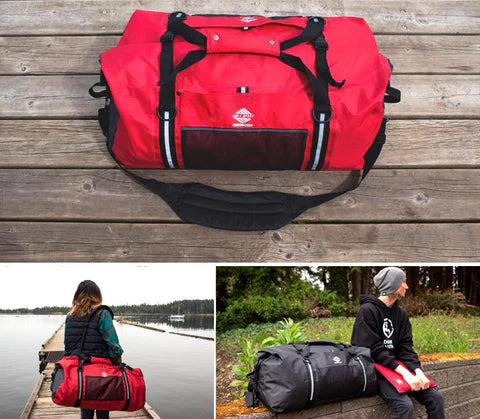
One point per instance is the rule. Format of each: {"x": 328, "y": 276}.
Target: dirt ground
{"x": 225, "y": 376}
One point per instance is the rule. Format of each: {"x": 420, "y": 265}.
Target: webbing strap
{"x": 166, "y": 110}
{"x": 245, "y": 211}
{"x": 322, "y": 112}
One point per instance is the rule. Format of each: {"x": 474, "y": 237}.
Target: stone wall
{"x": 459, "y": 382}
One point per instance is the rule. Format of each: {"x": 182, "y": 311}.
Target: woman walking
{"x": 101, "y": 338}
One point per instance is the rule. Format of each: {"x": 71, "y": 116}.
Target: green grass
{"x": 431, "y": 334}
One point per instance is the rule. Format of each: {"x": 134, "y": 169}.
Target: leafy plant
{"x": 247, "y": 358}
{"x": 290, "y": 332}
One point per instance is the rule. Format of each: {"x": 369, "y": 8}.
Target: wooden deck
{"x": 40, "y": 405}
{"x": 63, "y": 199}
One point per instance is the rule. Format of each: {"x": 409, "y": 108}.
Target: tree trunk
{"x": 412, "y": 279}
{"x": 462, "y": 276}
{"x": 448, "y": 283}
{"x": 356, "y": 284}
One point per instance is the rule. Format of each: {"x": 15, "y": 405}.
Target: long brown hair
{"x": 87, "y": 297}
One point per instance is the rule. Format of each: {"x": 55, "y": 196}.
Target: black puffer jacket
{"x": 94, "y": 342}
{"x": 387, "y": 331}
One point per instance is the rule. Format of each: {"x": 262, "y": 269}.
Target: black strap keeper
{"x": 167, "y": 37}
{"x": 321, "y": 44}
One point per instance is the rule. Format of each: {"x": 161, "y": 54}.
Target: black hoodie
{"x": 386, "y": 331}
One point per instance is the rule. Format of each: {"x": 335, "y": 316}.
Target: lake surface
{"x": 179, "y": 371}
{"x": 193, "y": 325}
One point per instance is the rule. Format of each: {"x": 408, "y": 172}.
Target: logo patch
{"x": 104, "y": 374}
{"x": 243, "y": 116}
{"x": 248, "y": 19}
{"x": 398, "y": 381}
{"x": 337, "y": 360}
{"x": 387, "y": 328}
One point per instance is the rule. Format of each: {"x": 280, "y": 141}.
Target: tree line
{"x": 347, "y": 282}
{"x": 175, "y": 307}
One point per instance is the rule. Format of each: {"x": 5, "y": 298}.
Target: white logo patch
{"x": 337, "y": 360}
{"x": 398, "y": 381}
{"x": 243, "y": 116}
{"x": 387, "y": 328}
{"x": 104, "y": 374}
{"x": 248, "y": 19}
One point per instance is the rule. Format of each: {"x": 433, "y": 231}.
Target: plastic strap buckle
{"x": 321, "y": 44}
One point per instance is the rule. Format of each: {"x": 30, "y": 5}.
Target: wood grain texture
{"x": 81, "y": 144}
{"x": 90, "y": 16}
{"x": 349, "y": 243}
{"x": 423, "y": 96}
{"x": 385, "y": 196}
{"x": 432, "y": 54}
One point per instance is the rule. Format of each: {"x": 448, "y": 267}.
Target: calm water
{"x": 193, "y": 325}
{"x": 179, "y": 371}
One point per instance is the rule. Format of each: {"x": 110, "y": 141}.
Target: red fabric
{"x": 95, "y": 373}
{"x": 277, "y": 96}
{"x": 395, "y": 379}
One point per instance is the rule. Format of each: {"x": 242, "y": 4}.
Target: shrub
{"x": 258, "y": 309}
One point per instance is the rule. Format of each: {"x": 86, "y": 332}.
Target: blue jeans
{"x": 402, "y": 405}
{"x": 88, "y": 414}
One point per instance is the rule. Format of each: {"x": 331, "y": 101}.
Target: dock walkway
{"x": 40, "y": 405}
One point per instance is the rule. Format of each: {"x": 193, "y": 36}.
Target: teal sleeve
{"x": 105, "y": 325}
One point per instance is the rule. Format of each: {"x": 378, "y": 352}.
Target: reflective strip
{"x": 80, "y": 386}
{"x": 364, "y": 374}
{"x": 312, "y": 383}
{"x": 319, "y": 142}
{"x": 166, "y": 133}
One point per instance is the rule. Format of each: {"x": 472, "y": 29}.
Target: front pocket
{"x": 244, "y": 131}
{"x": 104, "y": 388}
{"x": 243, "y": 149}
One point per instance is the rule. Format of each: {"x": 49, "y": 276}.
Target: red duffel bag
{"x": 90, "y": 382}
{"x": 243, "y": 93}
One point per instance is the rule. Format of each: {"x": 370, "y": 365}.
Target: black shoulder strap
{"x": 246, "y": 211}
{"x": 90, "y": 317}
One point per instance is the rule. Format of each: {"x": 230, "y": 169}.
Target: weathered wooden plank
{"x": 33, "y": 397}
{"x": 424, "y": 96}
{"x": 437, "y": 54}
{"x": 89, "y": 16}
{"x": 53, "y": 54}
{"x": 349, "y": 243}
{"x": 386, "y": 195}
{"x": 58, "y": 143}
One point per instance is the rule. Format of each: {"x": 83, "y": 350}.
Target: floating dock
{"x": 144, "y": 326}
{"x": 40, "y": 405}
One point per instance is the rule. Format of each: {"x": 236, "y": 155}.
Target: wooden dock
{"x": 156, "y": 329}
{"x": 63, "y": 198}
{"x": 40, "y": 405}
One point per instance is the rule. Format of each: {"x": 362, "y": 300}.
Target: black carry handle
{"x": 305, "y": 349}
{"x": 245, "y": 211}
{"x": 84, "y": 333}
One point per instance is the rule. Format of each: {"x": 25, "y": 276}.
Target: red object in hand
{"x": 396, "y": 380}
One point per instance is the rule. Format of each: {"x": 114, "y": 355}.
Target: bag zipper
{"x": 312, "y": 386}
{"x": 364, "y": 374}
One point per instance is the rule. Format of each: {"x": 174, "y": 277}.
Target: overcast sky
{"x": 47, "y": 284}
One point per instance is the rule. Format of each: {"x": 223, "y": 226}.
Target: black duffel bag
{"x": 301, "y": 375}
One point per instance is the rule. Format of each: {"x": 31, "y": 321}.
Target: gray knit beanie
{"x": 388, "y": 280}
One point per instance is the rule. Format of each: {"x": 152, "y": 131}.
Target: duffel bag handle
{"x": 305, "y": 349}
{"x": 245, "y": 211}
